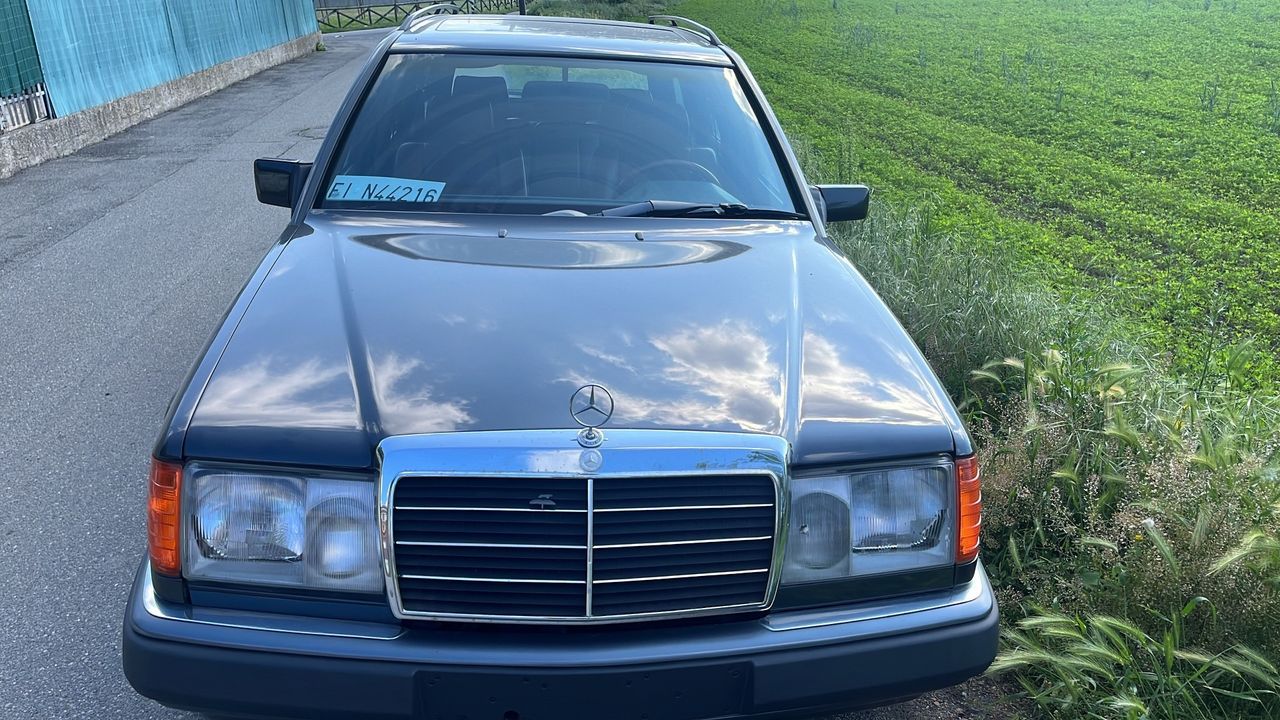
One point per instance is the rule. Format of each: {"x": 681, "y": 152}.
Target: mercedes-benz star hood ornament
{"x": 591, "y": 407}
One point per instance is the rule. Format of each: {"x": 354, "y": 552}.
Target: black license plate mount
{"x": 683, "y": 693}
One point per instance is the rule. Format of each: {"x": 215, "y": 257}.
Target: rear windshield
{"x": 469, "y": 133}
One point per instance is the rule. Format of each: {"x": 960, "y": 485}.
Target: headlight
{"x": 280, "y": 529}
{"x": 871, "y": 522}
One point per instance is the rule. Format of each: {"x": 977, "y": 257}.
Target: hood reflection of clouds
{"x": 405, "y": 402}
{"x": 728, "y": 370}
{"x": 836, "y": 390}
{"x": 277, "y": 392}
{"x": 728, "y": 374}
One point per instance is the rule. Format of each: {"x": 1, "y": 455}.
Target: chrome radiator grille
{"x": 564, "y": 549}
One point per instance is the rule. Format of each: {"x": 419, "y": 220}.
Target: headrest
{"x": 631, "y": 96}
{"x": 596, "y": 92}
{"x": 492, "y": 89}
{"x": 462, "y": 116}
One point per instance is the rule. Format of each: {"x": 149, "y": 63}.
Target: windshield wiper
{"x": 675, "y": 209}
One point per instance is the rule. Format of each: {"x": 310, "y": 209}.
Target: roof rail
{"x": 436, "y": 9}
{"x": 686, "y": 24}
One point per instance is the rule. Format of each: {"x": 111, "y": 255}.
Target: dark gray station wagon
{"x": 554, "y": 400}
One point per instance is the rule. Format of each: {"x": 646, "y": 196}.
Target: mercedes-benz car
{"x": 555, "y": 399}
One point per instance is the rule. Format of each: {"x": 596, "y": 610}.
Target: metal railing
{"x": 684, "y": 23}
{"x": 25, "y": 109}
{"x": 357, "y": 14}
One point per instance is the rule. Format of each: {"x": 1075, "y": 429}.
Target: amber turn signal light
{"x": 969, "y": 481}
{"x": 164, "y": 517}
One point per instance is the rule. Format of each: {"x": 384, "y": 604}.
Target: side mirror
{"x": 845, "y": 202}
{"x": 279, "y": 182}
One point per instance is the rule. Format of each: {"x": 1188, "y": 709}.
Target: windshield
{"x": 469, "y": 133}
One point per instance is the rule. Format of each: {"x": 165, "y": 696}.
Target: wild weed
{"x": 862, "y": 36}
{"x": 1273, "y": 108}
{"x": 978, "y": 56}
{"x": 1259, "y": 550}
{"x": 1209, "y": 94}
{"x": 1034, "y": 56}
{"x": 1100, "y": 666}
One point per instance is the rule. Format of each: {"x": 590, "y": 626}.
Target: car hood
{"x": 366, "y": 327}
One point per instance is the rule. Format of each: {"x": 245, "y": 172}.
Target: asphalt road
{"x": 116, "y": 263}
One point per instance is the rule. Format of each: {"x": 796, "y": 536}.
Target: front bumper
{"x": 789, "y": 664}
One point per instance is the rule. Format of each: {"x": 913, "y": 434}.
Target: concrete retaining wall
{"x": 55, "y": 138}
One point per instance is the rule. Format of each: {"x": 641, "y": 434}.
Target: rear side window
{"x": 467, "y": 133}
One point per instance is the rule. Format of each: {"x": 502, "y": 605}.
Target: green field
{"x": 1124, "y": 146}
{"x": 1078, "y": 220}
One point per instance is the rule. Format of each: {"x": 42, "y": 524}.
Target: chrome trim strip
{"x": 685, "y": 507}
{"x": 243, "y": 620}
{"x": 425, "y": 543}
{"x": 682, "y": 577}
{"x": 715, "y": 609}
{"x": 581, "y": 619}
{"x": 486, "y": 509}
{"x": 591, "y": 542}
{"x": 530, "y": 581}
{"x": 682, "y": 542}
{"x": 537, "y": 454}
{"x": 970, "y": 592}
{"x": 964, "y": 603}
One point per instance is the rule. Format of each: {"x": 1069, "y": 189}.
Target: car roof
{"x": 557, "y": 36}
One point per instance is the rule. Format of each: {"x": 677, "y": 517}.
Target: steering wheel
{"x": 687, "y": 167}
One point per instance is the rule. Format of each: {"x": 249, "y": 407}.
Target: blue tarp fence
{"x": 94, "y": 51}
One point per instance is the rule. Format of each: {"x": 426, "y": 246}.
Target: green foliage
{"x": 604, "y": 9}
{"x": 1084, "y": 252}
{"x": 1071, "y": 131}
{"x": 1273, "y": 108}
{"x": 1112, "y": 486}
{"x": 1259, "y": 550}
{"x": 1106, "y": 667}
{"x": 1209, "y": 95}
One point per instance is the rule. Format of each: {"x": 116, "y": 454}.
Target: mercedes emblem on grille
{"x": 591, "y": 407}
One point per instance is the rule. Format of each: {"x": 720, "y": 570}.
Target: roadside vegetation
{"x": 1131, "y": 147}
{"x": 1132, "y": 515}
{"x": 604, "y": 9}
{"x": 1078, "y": 219}
{"x": 1078, "y": 250}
